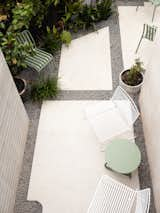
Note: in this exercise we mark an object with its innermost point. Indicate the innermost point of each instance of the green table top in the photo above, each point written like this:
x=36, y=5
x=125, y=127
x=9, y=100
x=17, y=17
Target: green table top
x=122, y=156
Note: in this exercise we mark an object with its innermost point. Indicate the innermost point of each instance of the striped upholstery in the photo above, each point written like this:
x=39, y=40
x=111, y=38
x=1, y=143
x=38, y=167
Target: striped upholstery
x=149, y=32
x=112, y=197
x=41, y=58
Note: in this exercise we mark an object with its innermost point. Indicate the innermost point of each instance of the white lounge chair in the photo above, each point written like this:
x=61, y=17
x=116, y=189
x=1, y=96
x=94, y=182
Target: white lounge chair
x=112, y=196
x=113, y=118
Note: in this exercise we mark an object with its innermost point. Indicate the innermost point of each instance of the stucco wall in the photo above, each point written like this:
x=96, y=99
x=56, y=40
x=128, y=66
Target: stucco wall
x=13, y=133
x=150, y=111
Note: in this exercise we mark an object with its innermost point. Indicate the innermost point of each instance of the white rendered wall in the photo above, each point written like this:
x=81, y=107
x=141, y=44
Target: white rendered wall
x=13, y=134
x=150, y=111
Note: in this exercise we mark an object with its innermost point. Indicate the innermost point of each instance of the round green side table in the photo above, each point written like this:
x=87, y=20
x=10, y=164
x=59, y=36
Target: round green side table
x=122, y=156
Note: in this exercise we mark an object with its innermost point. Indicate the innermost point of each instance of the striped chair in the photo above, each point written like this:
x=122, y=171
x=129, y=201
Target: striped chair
x=113, y=196
x=149, y=33
x=41, y=58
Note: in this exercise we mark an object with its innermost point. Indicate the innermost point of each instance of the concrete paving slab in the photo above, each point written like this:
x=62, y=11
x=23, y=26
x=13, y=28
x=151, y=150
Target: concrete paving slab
x=86, y=63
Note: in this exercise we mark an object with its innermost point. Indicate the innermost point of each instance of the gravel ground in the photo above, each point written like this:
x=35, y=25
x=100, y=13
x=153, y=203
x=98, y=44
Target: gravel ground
x=33, y=109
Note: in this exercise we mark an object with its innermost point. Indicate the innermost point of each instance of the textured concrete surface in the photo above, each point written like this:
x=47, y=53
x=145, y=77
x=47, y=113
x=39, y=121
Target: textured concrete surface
x=68, y=160
x=77, y=70
x=22, y=205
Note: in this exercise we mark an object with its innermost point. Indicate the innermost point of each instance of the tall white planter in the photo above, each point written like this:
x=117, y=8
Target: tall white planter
x=128, y=88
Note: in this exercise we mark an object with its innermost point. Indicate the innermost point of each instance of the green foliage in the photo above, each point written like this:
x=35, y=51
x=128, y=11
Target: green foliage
x=40, y=9
x=54, y=39
x=104, y=9
x=6, y=6
x=134, y=73
x=14, y=52
x=56, y=2
x=44, y=89
x=72, y=9
x=88, y=16
x=91, y=14
x=66, y=37
x=52, y=42
x=68, y=15
x=84, y=16
x=21, y=16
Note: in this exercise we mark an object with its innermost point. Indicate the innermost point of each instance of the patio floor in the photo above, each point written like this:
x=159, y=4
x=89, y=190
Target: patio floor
x=117, y=37
x=68, y=162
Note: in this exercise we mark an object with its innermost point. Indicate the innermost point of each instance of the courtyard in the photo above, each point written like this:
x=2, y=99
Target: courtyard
x=63, y=160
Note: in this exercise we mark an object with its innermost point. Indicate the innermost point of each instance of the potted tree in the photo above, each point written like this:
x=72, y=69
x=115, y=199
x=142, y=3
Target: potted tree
x=132, y=79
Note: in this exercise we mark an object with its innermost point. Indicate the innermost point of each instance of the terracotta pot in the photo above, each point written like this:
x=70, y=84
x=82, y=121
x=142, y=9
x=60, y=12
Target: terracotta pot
x=130, y=89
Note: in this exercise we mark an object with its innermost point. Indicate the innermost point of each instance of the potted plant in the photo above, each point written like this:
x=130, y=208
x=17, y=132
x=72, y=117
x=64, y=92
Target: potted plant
x=132, y=79
x=20, y=84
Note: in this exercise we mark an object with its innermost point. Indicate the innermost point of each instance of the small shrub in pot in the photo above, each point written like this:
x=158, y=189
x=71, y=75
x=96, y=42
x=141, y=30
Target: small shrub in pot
x=132, y=79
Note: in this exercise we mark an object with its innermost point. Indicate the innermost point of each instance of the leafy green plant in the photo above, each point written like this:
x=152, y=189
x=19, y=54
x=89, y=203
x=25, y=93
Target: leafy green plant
x=104, y=9
x=14, y=52
x=54, y=39
x=72, y=8
x=40, y=8
x=68, y=15
x=22, y=15
x=87, y=15
x=6, y=6
x=133, y=76
x=44, y=89
x=51, y=41
x=66, y=37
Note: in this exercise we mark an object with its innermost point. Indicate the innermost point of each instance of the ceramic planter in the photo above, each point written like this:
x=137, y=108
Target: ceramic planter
x=20, y=84
x=128, y=88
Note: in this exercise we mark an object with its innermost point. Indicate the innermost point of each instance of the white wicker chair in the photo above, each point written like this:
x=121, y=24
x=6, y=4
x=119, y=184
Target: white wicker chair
x=143, y=201
x=121, y=95
x=112, y=196
x=113, y=118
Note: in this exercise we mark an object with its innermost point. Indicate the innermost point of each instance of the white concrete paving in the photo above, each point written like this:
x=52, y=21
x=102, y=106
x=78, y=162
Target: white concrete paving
x=131, y=26
x=67, y=162
x=86, y=63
